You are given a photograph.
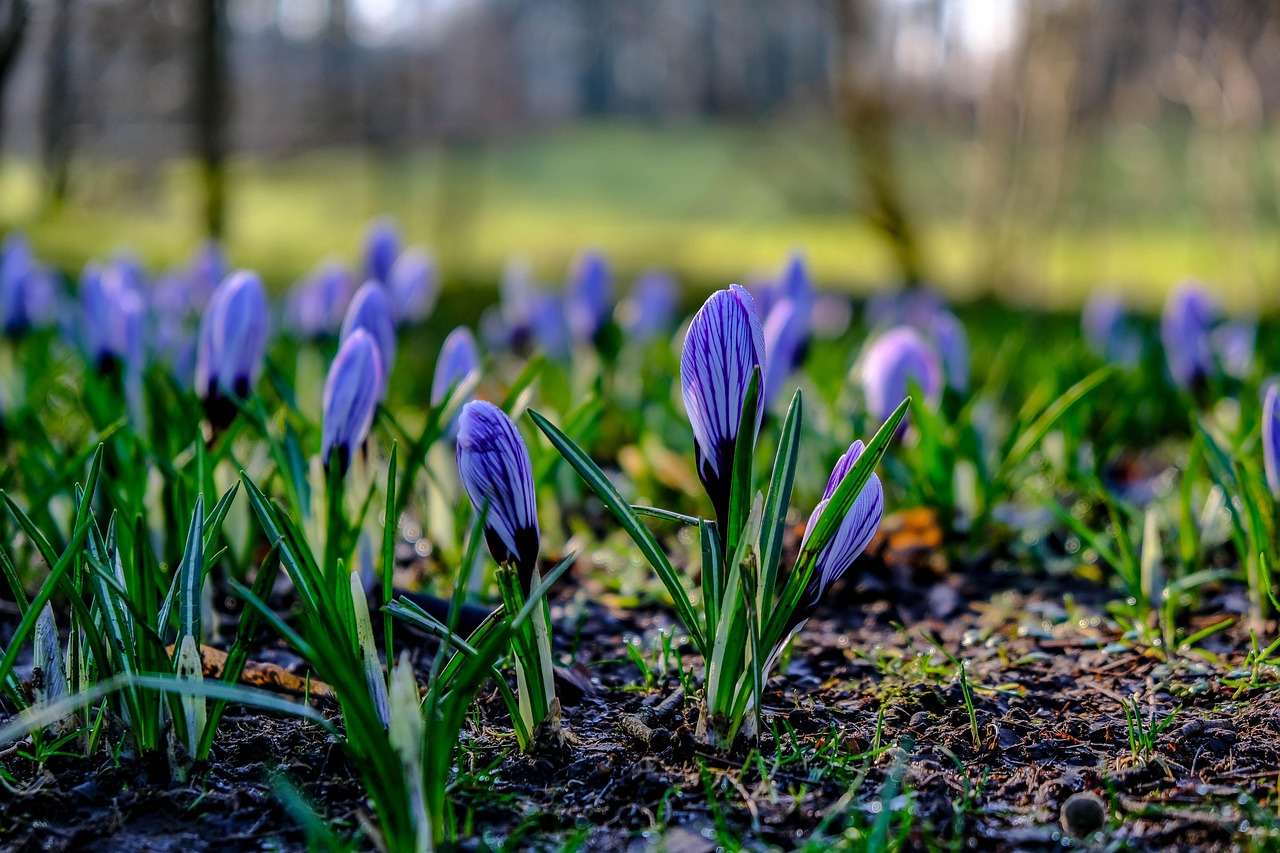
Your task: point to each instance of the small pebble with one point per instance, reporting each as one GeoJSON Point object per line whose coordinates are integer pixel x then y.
{"type": "Point", "coordinates": [1083, 814]}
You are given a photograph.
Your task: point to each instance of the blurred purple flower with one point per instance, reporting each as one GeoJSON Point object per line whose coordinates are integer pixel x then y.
{"type": "Point", "coordinates": [899, 357]}
{"type": "Point", "coordinates": [783, 338]}
{"type": "Point", "coordinates": [494, 466]}
{"type": "Point", "coordinates": [549, 326]}
{"type": "Point", "coordinates": [28, 292]}
{"type": "Point", "coordinates": [459, 361]}
{"type": "Point", "coordinates": [381, 248]}
{"type": "Point", "coordinates": [787, 326]}
{"type": "Point", "coordinates": [350, 398]}
{"type": "Point", "coordinates": [831, 316]}
{"type": "Point", "coordinates": [1106, 330]}
{"type": "Point", "coordinates": [1189, 316]}
{"type": "Point", "coordinates": [113, 315]}
{"type": "Point", "coordinates": [952, 343]}
{"type": "Point", "coordinates": [316, 304]}
{"type": "Point", "coordinates": [1234, 343]}
{"type": "Point", "coordinates": [724, 344]}
{"type": "Point", "coordinates": [1271, 439]}
{"type": "Point", "coordinates": [650, 309]}
{"type": "Point", "coordinates": [414, 286]}
{"type": "Point", "coordinates": [208, 267]}
{"type": "Point", "coordinates": [914, 308]}
{"type": "Point", "coordinates": [1101, 319]}
{"type": "Point", "coordinates": [232, 344]}
{"type": "Point", "coordinates": [587, 300]}
{"type": "Point", "coordinates": [370, 309]}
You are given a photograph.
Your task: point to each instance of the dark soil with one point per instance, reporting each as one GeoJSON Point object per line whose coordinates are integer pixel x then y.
{"type": "Point", "coordinates": [868, 718]}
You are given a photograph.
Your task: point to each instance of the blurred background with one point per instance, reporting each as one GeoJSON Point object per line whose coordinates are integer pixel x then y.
{"type": "Point", "coordinates": [1029, 150]}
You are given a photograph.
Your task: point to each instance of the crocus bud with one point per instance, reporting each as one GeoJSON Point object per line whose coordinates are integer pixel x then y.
{"type": "Point", "coordinates": [1189, 316]}
{"type": "Point", "coordinates": [723, 347]}
{"type": "Point", "coordinates": [413, 286]}
{"type": "Point", "coordinates": [898, 358]}
{"type": "Point", "coordinates": [1234, 342]}
{"type": "Point", "coordinates": [316, 304]}
{"type": "Point", "coordinates": [381, 247]}
{"type": "Point", "coordinates": [233, 341]}
{"type": "Point", "coordinates": [208, 267]}
{"type": "Point", "coordinates": [952, 343]}
{"type": "Point", "coordinates": [784, 337]}
{"type": "Point", "coordinates": [587, 299]}
{"type": "Point", "coordinates": [370, 309]}
{"type": "Point", "coordinates": [851, 538]}
{"type": "Point", "coordinates": [550, 326]}
{"type": "Point", "coordinates": [459, 361]}
{"type": "Point", "coordinates": [1271, 439]}
{"type": "Point", "coordinates": [350, 398]}
{"type": "Point", "coordinates": [113, 314]}
{"type": "Point", "coordinates": [650, 308]}
{"type": "Point", "coordinates": [28, 293]}
{"type": "Point", "coordinates": [493, 464]}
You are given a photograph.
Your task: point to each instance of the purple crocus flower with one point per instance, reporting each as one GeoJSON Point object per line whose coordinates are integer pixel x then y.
{"type": "Point", "coordinates": [550, 326]}
{"type": "Point", "coordinates": [722, 348]}
{"type": "Point", "coordinates": [1106, 330]}
{"type": "Point", "coordinates": [587, 298]}
{"type": "Point", "coordinates": [650, 309]}
{"type": "Point", "coordinates": [173, 324]}
{"type": "Point", "coordinates": [1101, 321]}
{"type": "Point", "coordinates": [948, 335]}
{"type": "Point", "coordinates": [1189, 316]}
{"type": "Point", "coordinates": [316, 304]}
{"type": "Point", "coordinates": [856, 528]}
{"type": "Point", "coordinates": [787, 325]}
{"type": "Point", "coordinates": [494, 466]}
{"type": "Point", "coordinates": [208, 267]}
{"type": "Point", "coordinates": [1234, 342]}
{"type": "Point", "coordinates": [899, 357]}
{"type": "Point", "coordinates": [1271, 439]}
{"type": "Point", "coordinates": [459, 361]}
{"type": "Point", "coordinates": [232, 343]}
{"type": "Point", "coordinates": [381, 247]}
{"type": "Point", "coordinates": [28, 292]}
{"type": "Point", "coordinates": [413, 286]}
{"type": "Point", "coordinates": [853, 535]}
{"type": "Point", "coordinates": [113, 314]}
{"type": "Point", "coordinates": [370, 309]}
{"type": "Point", "coordinates": [350, 398]}
{"type": "Point", "coordinates": [783, 337]}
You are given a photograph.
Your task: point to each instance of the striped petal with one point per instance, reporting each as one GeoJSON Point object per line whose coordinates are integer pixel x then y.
{"type": "Point", "coordinates": [494, 466]}
{"type": "Point", "coordinates": [852, 537]}
{"type": "Point", "coordinates": [724, 344]}
{"type": "Point", "coordinates": [350, 397]}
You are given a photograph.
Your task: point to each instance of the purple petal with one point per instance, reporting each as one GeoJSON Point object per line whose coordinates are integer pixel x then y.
{"type": "Point", "coordinates": [350, 396]}
{"type": "Point", "coordinates": [494, 466]}
{"type": "Point", "coordinates": [724, 344]}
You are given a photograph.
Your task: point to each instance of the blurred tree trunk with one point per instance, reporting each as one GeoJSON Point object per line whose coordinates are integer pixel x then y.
{"type": "Point", "coordinates": [211, 110]}
{"type": "Point", "coordinates": [58, 107]}
{"type": "Point", "coordinates": [867, 117]}
{"type": "Point", "coordinates": [338, 115]}
{"type": "Point", "coordinates": [14, 16]}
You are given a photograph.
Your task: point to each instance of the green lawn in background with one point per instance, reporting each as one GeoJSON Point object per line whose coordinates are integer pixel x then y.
{"type": "Point", "coordinates": [716, 204]}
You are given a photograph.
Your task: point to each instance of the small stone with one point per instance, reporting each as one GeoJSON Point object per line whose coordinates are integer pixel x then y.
{"type": "Point", "coordinates": [1083, 814]}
